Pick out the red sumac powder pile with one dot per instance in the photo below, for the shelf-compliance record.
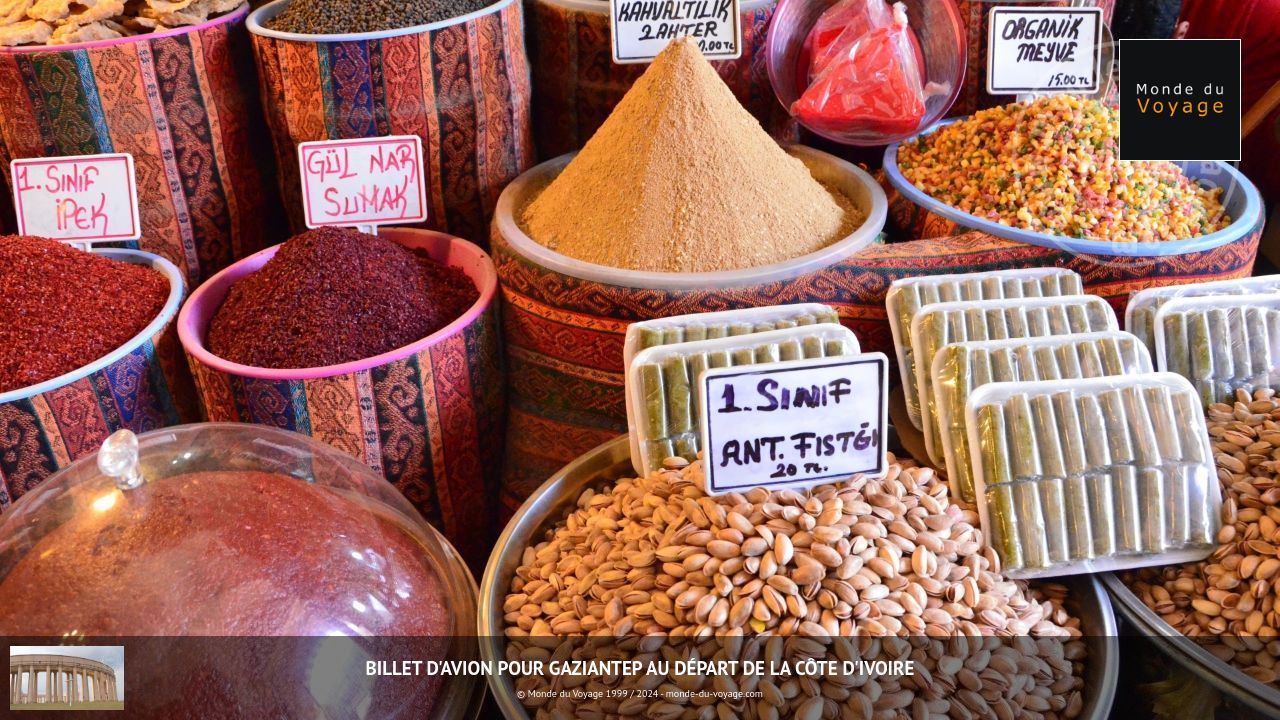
(335, 295)
(62, 308)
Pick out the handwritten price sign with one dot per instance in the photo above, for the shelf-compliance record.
(797, 423)
(640, 29)
(370, 181)
(1044, 50)
(81, 198)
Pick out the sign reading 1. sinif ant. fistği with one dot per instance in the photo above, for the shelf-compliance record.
(794, 424)
(642, 28)
(1044, 50)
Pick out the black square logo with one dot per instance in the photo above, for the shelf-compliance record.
(1180, 100)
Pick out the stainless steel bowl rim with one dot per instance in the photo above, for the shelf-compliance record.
(1186, 652)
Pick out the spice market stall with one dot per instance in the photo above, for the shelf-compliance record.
(771, 434)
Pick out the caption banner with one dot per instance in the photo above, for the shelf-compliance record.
(795, 423)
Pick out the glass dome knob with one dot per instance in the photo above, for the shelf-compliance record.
(118, 458)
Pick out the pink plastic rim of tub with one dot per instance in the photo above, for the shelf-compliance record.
(196, 314)
(237, 14)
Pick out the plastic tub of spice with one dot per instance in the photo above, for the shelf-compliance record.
(452, 72)
(591, 484)
(208, 197)
(937, 38)
(87, 347)
(576, 84)
(242, 556)
(1205, 205)
(426, 414)
(717, 217)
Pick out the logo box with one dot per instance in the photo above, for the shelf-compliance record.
(1179, 99)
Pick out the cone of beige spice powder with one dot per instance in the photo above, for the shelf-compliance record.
(681, 178)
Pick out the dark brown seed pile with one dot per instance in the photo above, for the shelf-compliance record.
(332, 296)
(62, 308)
(332, 17)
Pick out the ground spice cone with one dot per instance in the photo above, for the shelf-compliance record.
(680, 178)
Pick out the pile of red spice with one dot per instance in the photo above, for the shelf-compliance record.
(335, 295)
(62, 308)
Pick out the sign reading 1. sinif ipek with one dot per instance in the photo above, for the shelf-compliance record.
(642, 28)
(79, 198)
(794, 424)
(1044, 50)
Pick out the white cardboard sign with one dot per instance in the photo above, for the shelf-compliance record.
(79, 198)
(363, 182)
(798, 423)
(1044, 50)
(640, 29)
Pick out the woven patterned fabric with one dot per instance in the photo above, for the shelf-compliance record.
(564, 335)
(430, 423)
(185, 106)
(464, 89)
(576, 83)
(147, 389)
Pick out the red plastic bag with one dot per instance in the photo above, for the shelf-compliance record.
(840, 26)
(875, 84)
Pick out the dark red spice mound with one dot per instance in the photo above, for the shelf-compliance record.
(62, 308)
(332, 296)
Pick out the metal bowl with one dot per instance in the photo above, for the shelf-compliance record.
(1236, 685)
(612, 460)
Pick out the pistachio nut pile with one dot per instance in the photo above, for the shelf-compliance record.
(1229, 600)
(877, 569)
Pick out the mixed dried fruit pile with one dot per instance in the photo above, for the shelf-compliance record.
(1052, 166)
(65, 22)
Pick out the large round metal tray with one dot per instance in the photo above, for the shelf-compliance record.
(611, 461)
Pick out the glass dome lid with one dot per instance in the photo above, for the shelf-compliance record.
(225, 530)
